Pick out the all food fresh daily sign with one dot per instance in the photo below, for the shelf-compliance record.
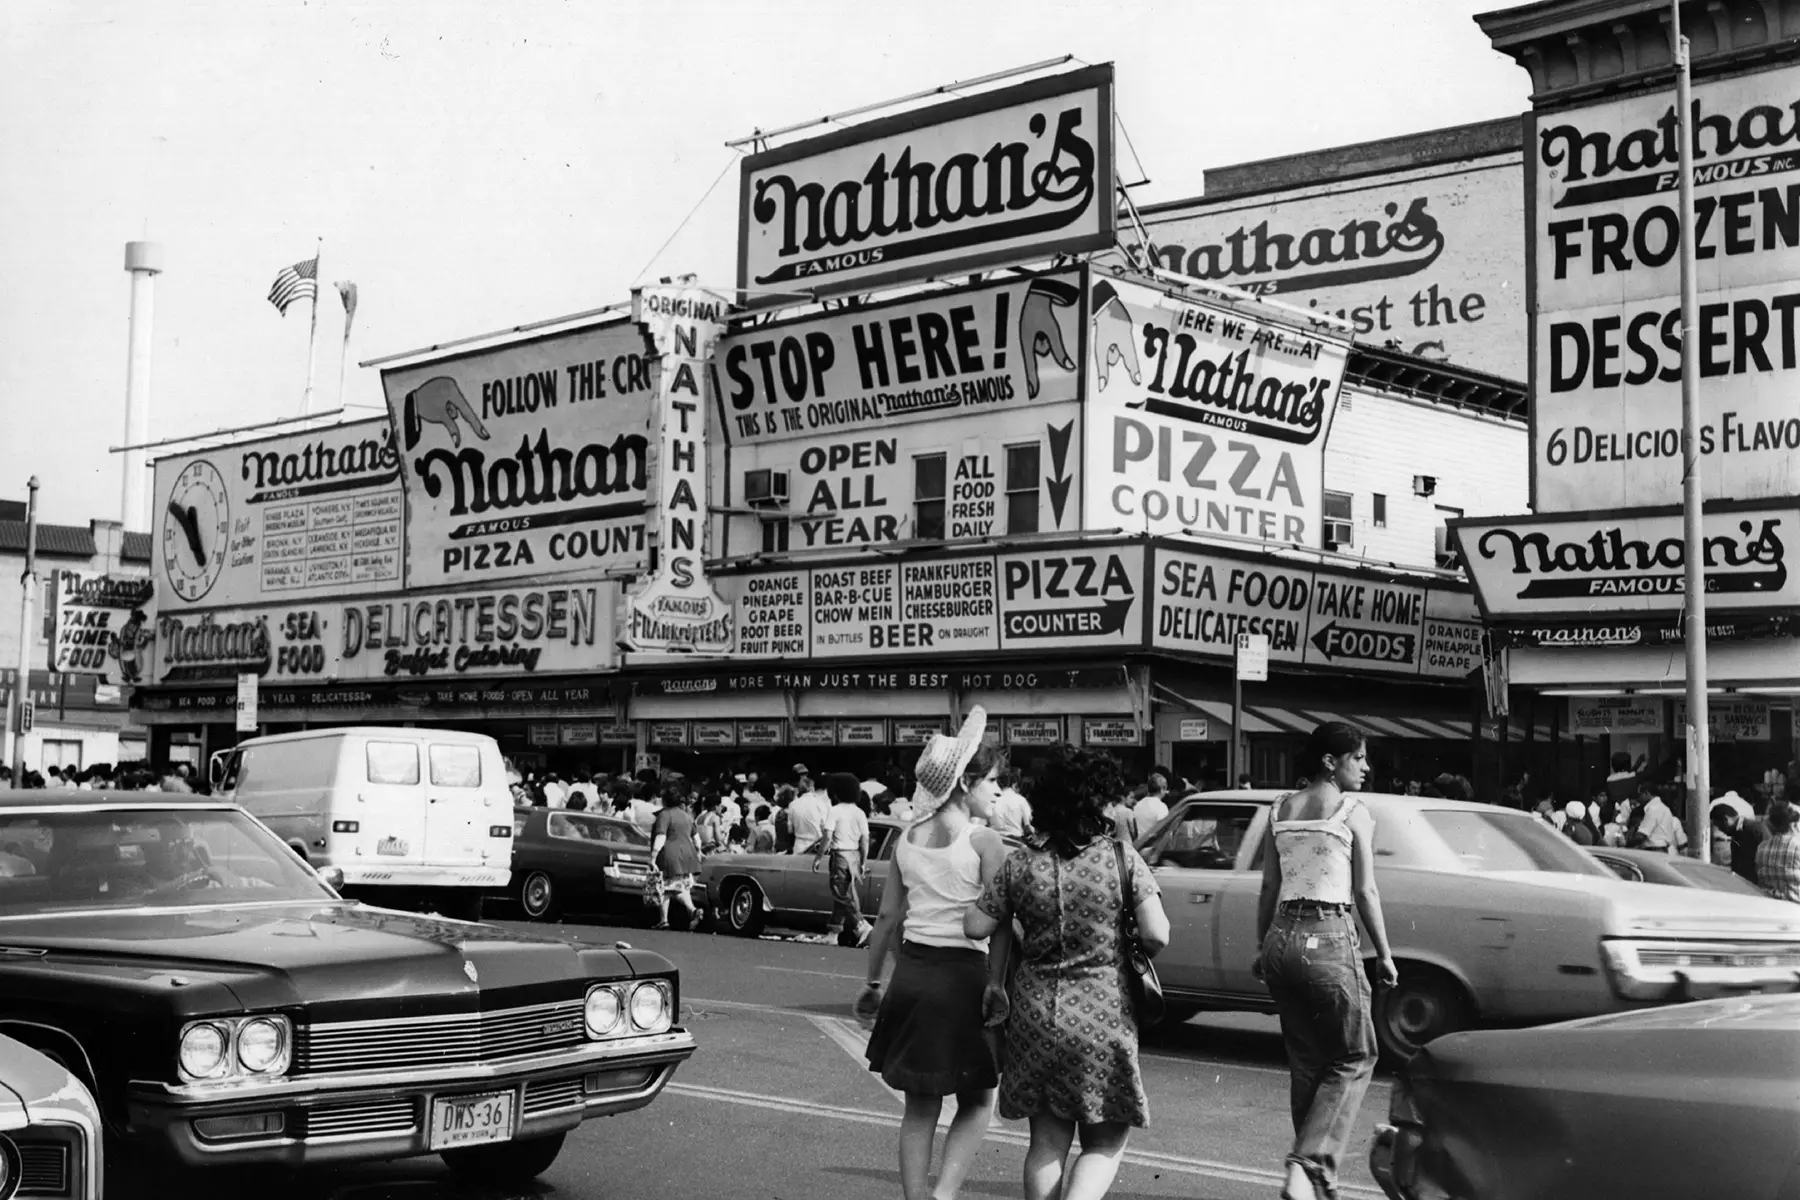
(1607, 331)
(1015, 174)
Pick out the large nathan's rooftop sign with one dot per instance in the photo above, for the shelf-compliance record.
(1020, 173)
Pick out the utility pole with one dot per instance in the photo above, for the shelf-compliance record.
(1699, 723)
(21, 692)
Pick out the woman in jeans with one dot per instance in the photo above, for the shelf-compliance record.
(1323, 863)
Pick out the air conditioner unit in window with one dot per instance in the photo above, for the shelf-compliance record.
(1447, 556)
(766, 488)
(1338, 535)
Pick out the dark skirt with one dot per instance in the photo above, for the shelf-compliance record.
(928, 1037)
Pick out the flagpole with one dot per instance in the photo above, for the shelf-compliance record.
(312, 337)
(343, 358)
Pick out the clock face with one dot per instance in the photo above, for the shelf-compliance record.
(196, 525)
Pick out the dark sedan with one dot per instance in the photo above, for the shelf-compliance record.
(1687, 1100)
(226, 1007)
(1673, 870)
(576, 862)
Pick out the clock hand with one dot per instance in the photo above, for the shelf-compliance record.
(190, 525)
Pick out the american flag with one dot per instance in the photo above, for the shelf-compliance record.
(298, 282)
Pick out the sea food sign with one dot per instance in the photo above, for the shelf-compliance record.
(101, 626)
(1020, 173)
(1628, 562)
(1607, 337)
(1203, 419)
(676, 608)
(527, 459)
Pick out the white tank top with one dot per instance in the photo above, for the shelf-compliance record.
(941, 885)
(1315, 855)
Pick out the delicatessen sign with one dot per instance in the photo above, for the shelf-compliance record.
(1018, 173)
(512, 632)
(1202, 419)
(1607, 338)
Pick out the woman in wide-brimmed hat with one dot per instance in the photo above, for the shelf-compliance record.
(928, 1040)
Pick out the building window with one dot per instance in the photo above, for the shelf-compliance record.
(775, 536)
(1338, 517)
(1022, 482)
(1378, 511)
(61, 754)
(1337, 506)
(928, 496)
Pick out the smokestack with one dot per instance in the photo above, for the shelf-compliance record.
(145, 261)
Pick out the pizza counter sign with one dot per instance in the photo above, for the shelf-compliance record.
(1071, 598)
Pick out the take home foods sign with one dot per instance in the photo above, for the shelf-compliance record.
(1628, 562)
(1019, 173)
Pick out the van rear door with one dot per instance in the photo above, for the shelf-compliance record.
(390, 809)
(456, 824)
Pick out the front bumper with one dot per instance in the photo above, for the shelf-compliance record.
(1646, 970)
(360, 873)
(360, 1116)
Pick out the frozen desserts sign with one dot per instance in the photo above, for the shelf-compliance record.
(676, 608)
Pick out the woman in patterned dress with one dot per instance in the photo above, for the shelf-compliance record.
(1071, 1058)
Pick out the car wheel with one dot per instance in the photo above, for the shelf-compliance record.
(537, 896)
(507, 1164)
(743, 910)
(1424, 1005)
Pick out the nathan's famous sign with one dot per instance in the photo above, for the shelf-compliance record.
(285, 518)
(1020, 173)
(526, 459)
(1607, 337)
(1586, 564)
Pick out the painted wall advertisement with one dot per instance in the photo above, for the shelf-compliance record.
(1610, 563)
(528, 459)
(285, 644)
(1087, 596)
(1432, 257)
(1202, 419)
(675, 608)
(1607, 338)
(102, 627)
(1311, 616)
(1009, 175)
(306, 514)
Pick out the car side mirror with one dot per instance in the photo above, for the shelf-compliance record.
(333, 878)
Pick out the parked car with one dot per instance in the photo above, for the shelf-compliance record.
(225, 1006)
(576, 862)
(408, 815)
(1672, 870)
(1494, 918)
(745, 891)
(51, 1144)
(1687, 1100)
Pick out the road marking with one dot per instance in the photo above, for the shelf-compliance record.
(799, 971)
(998, 1133)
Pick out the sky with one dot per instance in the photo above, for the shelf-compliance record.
(473, 166)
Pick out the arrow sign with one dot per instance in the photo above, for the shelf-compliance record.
(1059, 479)
(1105, 618)
(1368, 645)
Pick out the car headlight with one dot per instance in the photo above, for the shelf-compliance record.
(205, 1047)
(650, 1007)
(603, 1011)
(262, 1044)
(12, 1168)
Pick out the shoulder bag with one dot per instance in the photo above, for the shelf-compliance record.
(1140, 973)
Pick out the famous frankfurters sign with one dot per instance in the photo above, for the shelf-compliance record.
(1011, 175)
(1597, 564)
(525, 460)
(1605, 231)
(1202, 418)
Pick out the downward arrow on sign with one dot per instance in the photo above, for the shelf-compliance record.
(1059, 480)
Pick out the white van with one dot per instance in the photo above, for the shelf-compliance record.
(390, 808)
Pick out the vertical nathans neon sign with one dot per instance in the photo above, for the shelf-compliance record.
(675, 609)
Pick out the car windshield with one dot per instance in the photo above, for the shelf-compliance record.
(117, 858)
(1717, 879)
(1503, 841)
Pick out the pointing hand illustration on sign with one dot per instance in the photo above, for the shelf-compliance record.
(1040, 333)
(439, 401)
(1113, 341)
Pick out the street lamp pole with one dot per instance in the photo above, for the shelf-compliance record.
(1699, 725)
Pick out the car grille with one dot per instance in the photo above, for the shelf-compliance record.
(364, 1119)
(551, 1095)
(1712, 956)
(44, 1169)
(460, 1040)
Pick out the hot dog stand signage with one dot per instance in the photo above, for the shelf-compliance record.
(1311, 615)
(676, 607)
(302, 515)
(1607, 339)
(1629, 562)
(1019, 173)
(1203, 419)
(528, 459)
(1072, 597)
(101, 626)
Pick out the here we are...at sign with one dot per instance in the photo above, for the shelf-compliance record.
(1019, 173)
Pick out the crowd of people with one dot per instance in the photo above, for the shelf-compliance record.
(137, 776)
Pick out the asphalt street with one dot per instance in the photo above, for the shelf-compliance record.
(779, 1103)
